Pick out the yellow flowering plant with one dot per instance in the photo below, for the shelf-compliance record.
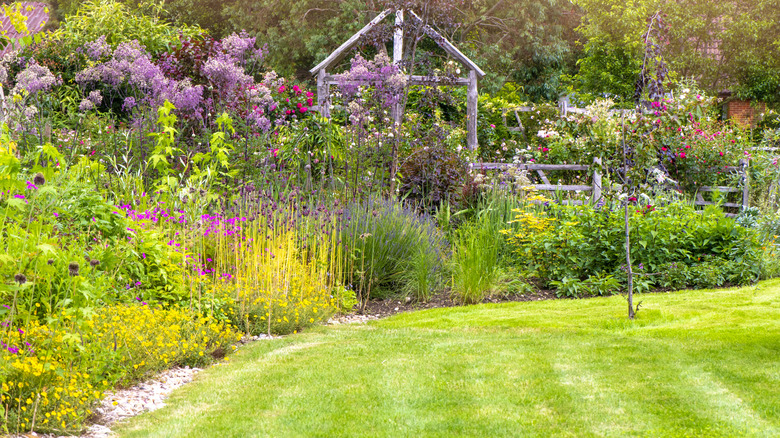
(52, 374)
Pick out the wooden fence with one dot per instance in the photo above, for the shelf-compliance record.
(745, 190)
(595, 188)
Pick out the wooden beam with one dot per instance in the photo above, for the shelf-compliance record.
(413, 80)
(562, 187)
(526, 166)
(743, 164)
(448, 46)
(472, 102)
(719, 189)
(725, 204)
(398, 57)
(342, 51)
(398, 37)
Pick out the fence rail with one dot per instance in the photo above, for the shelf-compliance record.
(596, 187)
(540, 169)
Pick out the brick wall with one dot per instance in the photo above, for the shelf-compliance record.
(744, 112)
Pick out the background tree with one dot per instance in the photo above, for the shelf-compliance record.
(728, 45)
(529, 42)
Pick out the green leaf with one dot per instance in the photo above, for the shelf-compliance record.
(6, 259)
(47, 249)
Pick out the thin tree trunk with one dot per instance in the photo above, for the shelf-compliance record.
(627, 181)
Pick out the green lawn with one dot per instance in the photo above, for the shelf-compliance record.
(695, 363)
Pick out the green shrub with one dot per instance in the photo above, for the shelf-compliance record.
(78, 250)
(568, 242)
(118, 23)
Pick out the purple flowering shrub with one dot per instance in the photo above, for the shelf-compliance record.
(129, 78)
(201, 77)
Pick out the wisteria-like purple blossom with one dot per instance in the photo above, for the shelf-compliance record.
(33, 79)
(224, 74)
(95, 97)
(97, 49)
(241, 48)
(385, 77)
(86, 105)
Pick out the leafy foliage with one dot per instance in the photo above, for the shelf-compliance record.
(431, 176)
(571, 244)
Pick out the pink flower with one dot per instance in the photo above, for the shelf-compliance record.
(682, 154)
(281, 89)
(721, 153)
(304, 109)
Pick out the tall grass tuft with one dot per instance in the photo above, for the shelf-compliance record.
(475, 268)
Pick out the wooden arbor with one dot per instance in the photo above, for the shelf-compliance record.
(325, 80)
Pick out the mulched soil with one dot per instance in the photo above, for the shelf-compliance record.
(387, 307)
(381, 308)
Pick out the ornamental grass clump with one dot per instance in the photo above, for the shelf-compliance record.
(382, 239)
(476, 271)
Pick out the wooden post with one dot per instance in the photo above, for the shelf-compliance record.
(596, 180)
(398, 37)
(398, 57)
(472, 101)
(323, 94)
(743, 164)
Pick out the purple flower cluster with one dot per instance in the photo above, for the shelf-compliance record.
(207, 225)
(97, 49)
(130, 70)
(33, 79)
(241, 48)
(386, 78)
(225, 75)
(13, 349)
